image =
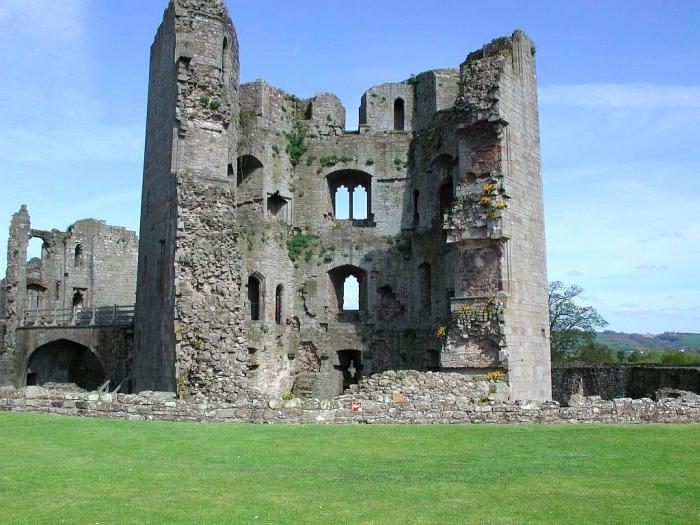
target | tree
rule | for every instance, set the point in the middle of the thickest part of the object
(571, 326)
(594, 352)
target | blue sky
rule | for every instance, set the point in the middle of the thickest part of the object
(619, 107)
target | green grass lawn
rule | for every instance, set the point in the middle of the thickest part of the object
(72, 470)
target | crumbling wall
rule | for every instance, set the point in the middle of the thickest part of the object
(15, 282)
(423, 400)
(500, 198)
(210, 353)
(613, 381)
(245, 251)
(92, 259)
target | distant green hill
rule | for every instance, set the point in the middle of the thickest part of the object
(665, 341)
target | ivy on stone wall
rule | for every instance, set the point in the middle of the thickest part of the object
(296, 142)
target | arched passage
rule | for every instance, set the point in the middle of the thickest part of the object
(65, 361)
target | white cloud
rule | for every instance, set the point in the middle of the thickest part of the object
(620, 96)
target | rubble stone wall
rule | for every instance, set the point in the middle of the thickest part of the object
(611, 381)
(392, 397)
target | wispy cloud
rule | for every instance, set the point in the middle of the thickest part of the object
(652, 267)
(662, 236)
(50, 105)
(574, 273)
(621, 95)
(692, 312)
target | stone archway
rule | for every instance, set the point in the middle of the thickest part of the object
(65, 361)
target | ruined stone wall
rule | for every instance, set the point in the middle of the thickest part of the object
(612, 381)
(499, 201)
(440, 405)
(377, 106)
(527, 317)
(92, 259)
(188, 292)
(113, 347)
(244, 258)
(435, 91)
(90, 265)
(15, 295)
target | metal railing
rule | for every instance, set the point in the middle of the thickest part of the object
(122, 316)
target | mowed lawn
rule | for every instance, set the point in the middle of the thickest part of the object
(74, 470)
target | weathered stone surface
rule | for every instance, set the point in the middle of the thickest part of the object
(362, 407)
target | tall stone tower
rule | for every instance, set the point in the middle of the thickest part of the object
(497, 223)
(187, 315)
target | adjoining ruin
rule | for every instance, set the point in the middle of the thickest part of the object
(281, 254)
(67, 316)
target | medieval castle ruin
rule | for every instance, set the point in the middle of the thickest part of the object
(280, 253)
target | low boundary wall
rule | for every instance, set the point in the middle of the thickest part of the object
(350, 409)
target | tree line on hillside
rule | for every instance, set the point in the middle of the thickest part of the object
(573, 334)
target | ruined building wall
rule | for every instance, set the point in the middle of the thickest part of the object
(15, 295)
(188, 316)
(497, 220)
(90, 264)
(245, 252)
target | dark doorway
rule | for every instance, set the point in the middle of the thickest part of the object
(446, 198)
(65, 361)
(349, 368)
(254, 298)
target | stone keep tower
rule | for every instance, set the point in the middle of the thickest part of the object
(188, 307)
(246, 253)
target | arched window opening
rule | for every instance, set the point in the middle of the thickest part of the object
(78, 255)
(351, 294)
(425, 287)
(351, 192)
(349, 285)
(342, 203)
(279, 297)
(255, 297)
(359, 203)
(416, 214)
(229, 171)
(224, 56)
(399, 123)
(446, 197)
(249, 168)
